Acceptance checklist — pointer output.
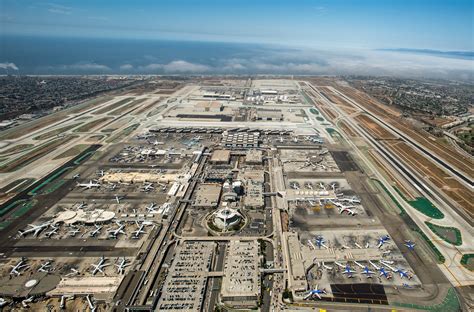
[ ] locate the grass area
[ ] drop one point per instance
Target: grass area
(73, 151)
(124, 108)
(11, 206)
(314, 111)
(467, 261)
(91, 125)
(320, 118)
(55, 132)
(403, 213)
(4, 224)
(54, 186)
(49, 180)
(450, 303)
(123, 133)
(451, 235)
(111, 107)
(16, 149)
(23, 209)
(423, 205)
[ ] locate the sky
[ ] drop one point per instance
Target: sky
(352, 24)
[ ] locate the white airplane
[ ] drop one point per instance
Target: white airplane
(148, 187)
(45, 267)
(112, 187)
(101, 173)
(76, 176)
(74, 231)
(156, 142)
(18, 268)
(139, 231)
(347, 209)
(92, 307)
(294, 185)
(322, 186)
(315, 292)
(308, 185)
(35, 229)
(122, 265)
(320, 242)
(25, 302)
(347, 269)
(327, 267)
(118, 198)
(114, 233)
(3, 302)
(96, 231)
(151, 208)
(410, 244)
(99, 266)
(403, 273)
(352, 200)
(72, 273)
(81, 205)
(53, 231)
(382, 240)
(89, 185)
(365, 269)
(333, 186)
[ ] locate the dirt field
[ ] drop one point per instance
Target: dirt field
(89, 104)
(374, 128)
(344, 127)
(450, 186)
(145, 108)
(33, 155)
(113, 106)
(126, 107)
(93, 124)
(55, 132)
(29, 127)
(16, 149)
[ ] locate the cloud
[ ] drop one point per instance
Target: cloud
(7, 66)
(126, 67)
(59, 9)
(185, 67)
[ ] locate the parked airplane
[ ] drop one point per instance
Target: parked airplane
(382, 240)
(114, 233)
(347, 209)
(122, 265)
(72, 273)
(3, 302)
(99, 266)
(294, 185)
(82, 205)
(73, 232)
(89, 185)
(381, 270)
(315, 292)
(35, 229)
(151, 208)
(333, 186)
(18, 268)
(410, 244)
(351, 200)
(112, 187)
(96, 231)
(101, 173)
(139, 231)
(347, 269)
(53, 231)
(148, 187)
(403, 273)
(322, 186)
(320, 242)
(25, 302)
(365, 269)
(76, 176)
(327, 267)
(45, 267)
(92, 307)
(118, 198)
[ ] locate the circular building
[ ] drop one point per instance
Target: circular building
(226, 218)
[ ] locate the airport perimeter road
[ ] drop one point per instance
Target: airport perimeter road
(451, 268)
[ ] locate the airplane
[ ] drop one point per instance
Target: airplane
(151, 208)
(115, 232)
(96, 231)
(410, 244)
(347, 209)
(327, 267)
(73, 272)
(400, 271)
(333, 186)
(35, 229)
(156, 142)
(45, 267)
(101, 173)
(315, 292)
(381, 270)
(122, 265)
(99, 266)
(147, 187)
(76, 176)
(352, 200)
(320, 242)
(92, 307)
(74, 231)
(294, 185)
(382, 240)
(308, 185)
(82, 205)
(53, 231)
(139, 231)
(3, 302)
(89, 185)
(117, 198)
(347, 269)
(311, 245)
(25, 302)
(18, 268)
(322, 186)
(112, 187)
(365, 269)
